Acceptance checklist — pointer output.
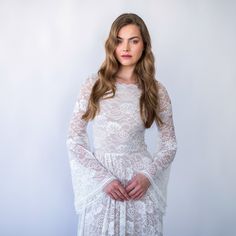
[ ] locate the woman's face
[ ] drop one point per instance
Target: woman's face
(130, 45)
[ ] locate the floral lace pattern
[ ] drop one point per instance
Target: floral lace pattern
(120, 152)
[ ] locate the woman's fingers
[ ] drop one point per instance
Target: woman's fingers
(123, 192)
(115, 196)
(111, 195)
(116, 191)
(139, 196)
(130, 186)
(138, 183)
(120, 195)
(120, 191)
(134, 190)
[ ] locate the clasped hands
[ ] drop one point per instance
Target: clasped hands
(135, 189)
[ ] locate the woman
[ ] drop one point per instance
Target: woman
(120, 188)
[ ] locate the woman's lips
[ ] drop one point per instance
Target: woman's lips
(126, 56)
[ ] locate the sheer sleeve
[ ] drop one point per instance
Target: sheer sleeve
(167, 143)
(89, 176)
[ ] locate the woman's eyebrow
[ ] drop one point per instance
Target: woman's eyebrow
(128, 38)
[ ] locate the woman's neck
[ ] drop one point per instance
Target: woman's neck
(126, 75)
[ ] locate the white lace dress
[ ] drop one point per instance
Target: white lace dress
(119, 152)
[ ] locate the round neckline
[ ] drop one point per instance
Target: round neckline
(125, 84)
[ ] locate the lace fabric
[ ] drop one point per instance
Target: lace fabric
(120, 152)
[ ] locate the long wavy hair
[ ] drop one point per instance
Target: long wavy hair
(144, 72)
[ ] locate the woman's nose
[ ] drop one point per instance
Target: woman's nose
(126, 47)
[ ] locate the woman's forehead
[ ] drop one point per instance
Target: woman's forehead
(129, 31)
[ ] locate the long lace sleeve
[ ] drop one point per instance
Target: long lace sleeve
(89, 176)
(167, 144)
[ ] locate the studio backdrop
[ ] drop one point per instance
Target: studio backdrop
(49, 48)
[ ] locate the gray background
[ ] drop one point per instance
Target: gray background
(48, 48)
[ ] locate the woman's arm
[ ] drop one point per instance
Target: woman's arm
(167, 146)
(88, 175)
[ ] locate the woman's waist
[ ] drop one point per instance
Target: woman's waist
(124, 165)
(128, 153)
(121, 148)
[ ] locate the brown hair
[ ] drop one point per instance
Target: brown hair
(144, 71)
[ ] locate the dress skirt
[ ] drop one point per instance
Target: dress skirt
(106, 216)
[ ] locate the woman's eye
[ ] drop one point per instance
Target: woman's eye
(135, 41)
(119, 41)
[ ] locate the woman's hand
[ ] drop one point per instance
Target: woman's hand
(116, 191)
(137, 186)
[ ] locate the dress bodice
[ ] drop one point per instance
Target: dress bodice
(118, 127)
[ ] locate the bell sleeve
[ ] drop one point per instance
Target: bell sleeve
(89, 176)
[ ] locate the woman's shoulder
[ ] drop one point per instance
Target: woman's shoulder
(162, 91)
(163, 94)
(87, 84)
(160, 85)
(90, 80)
